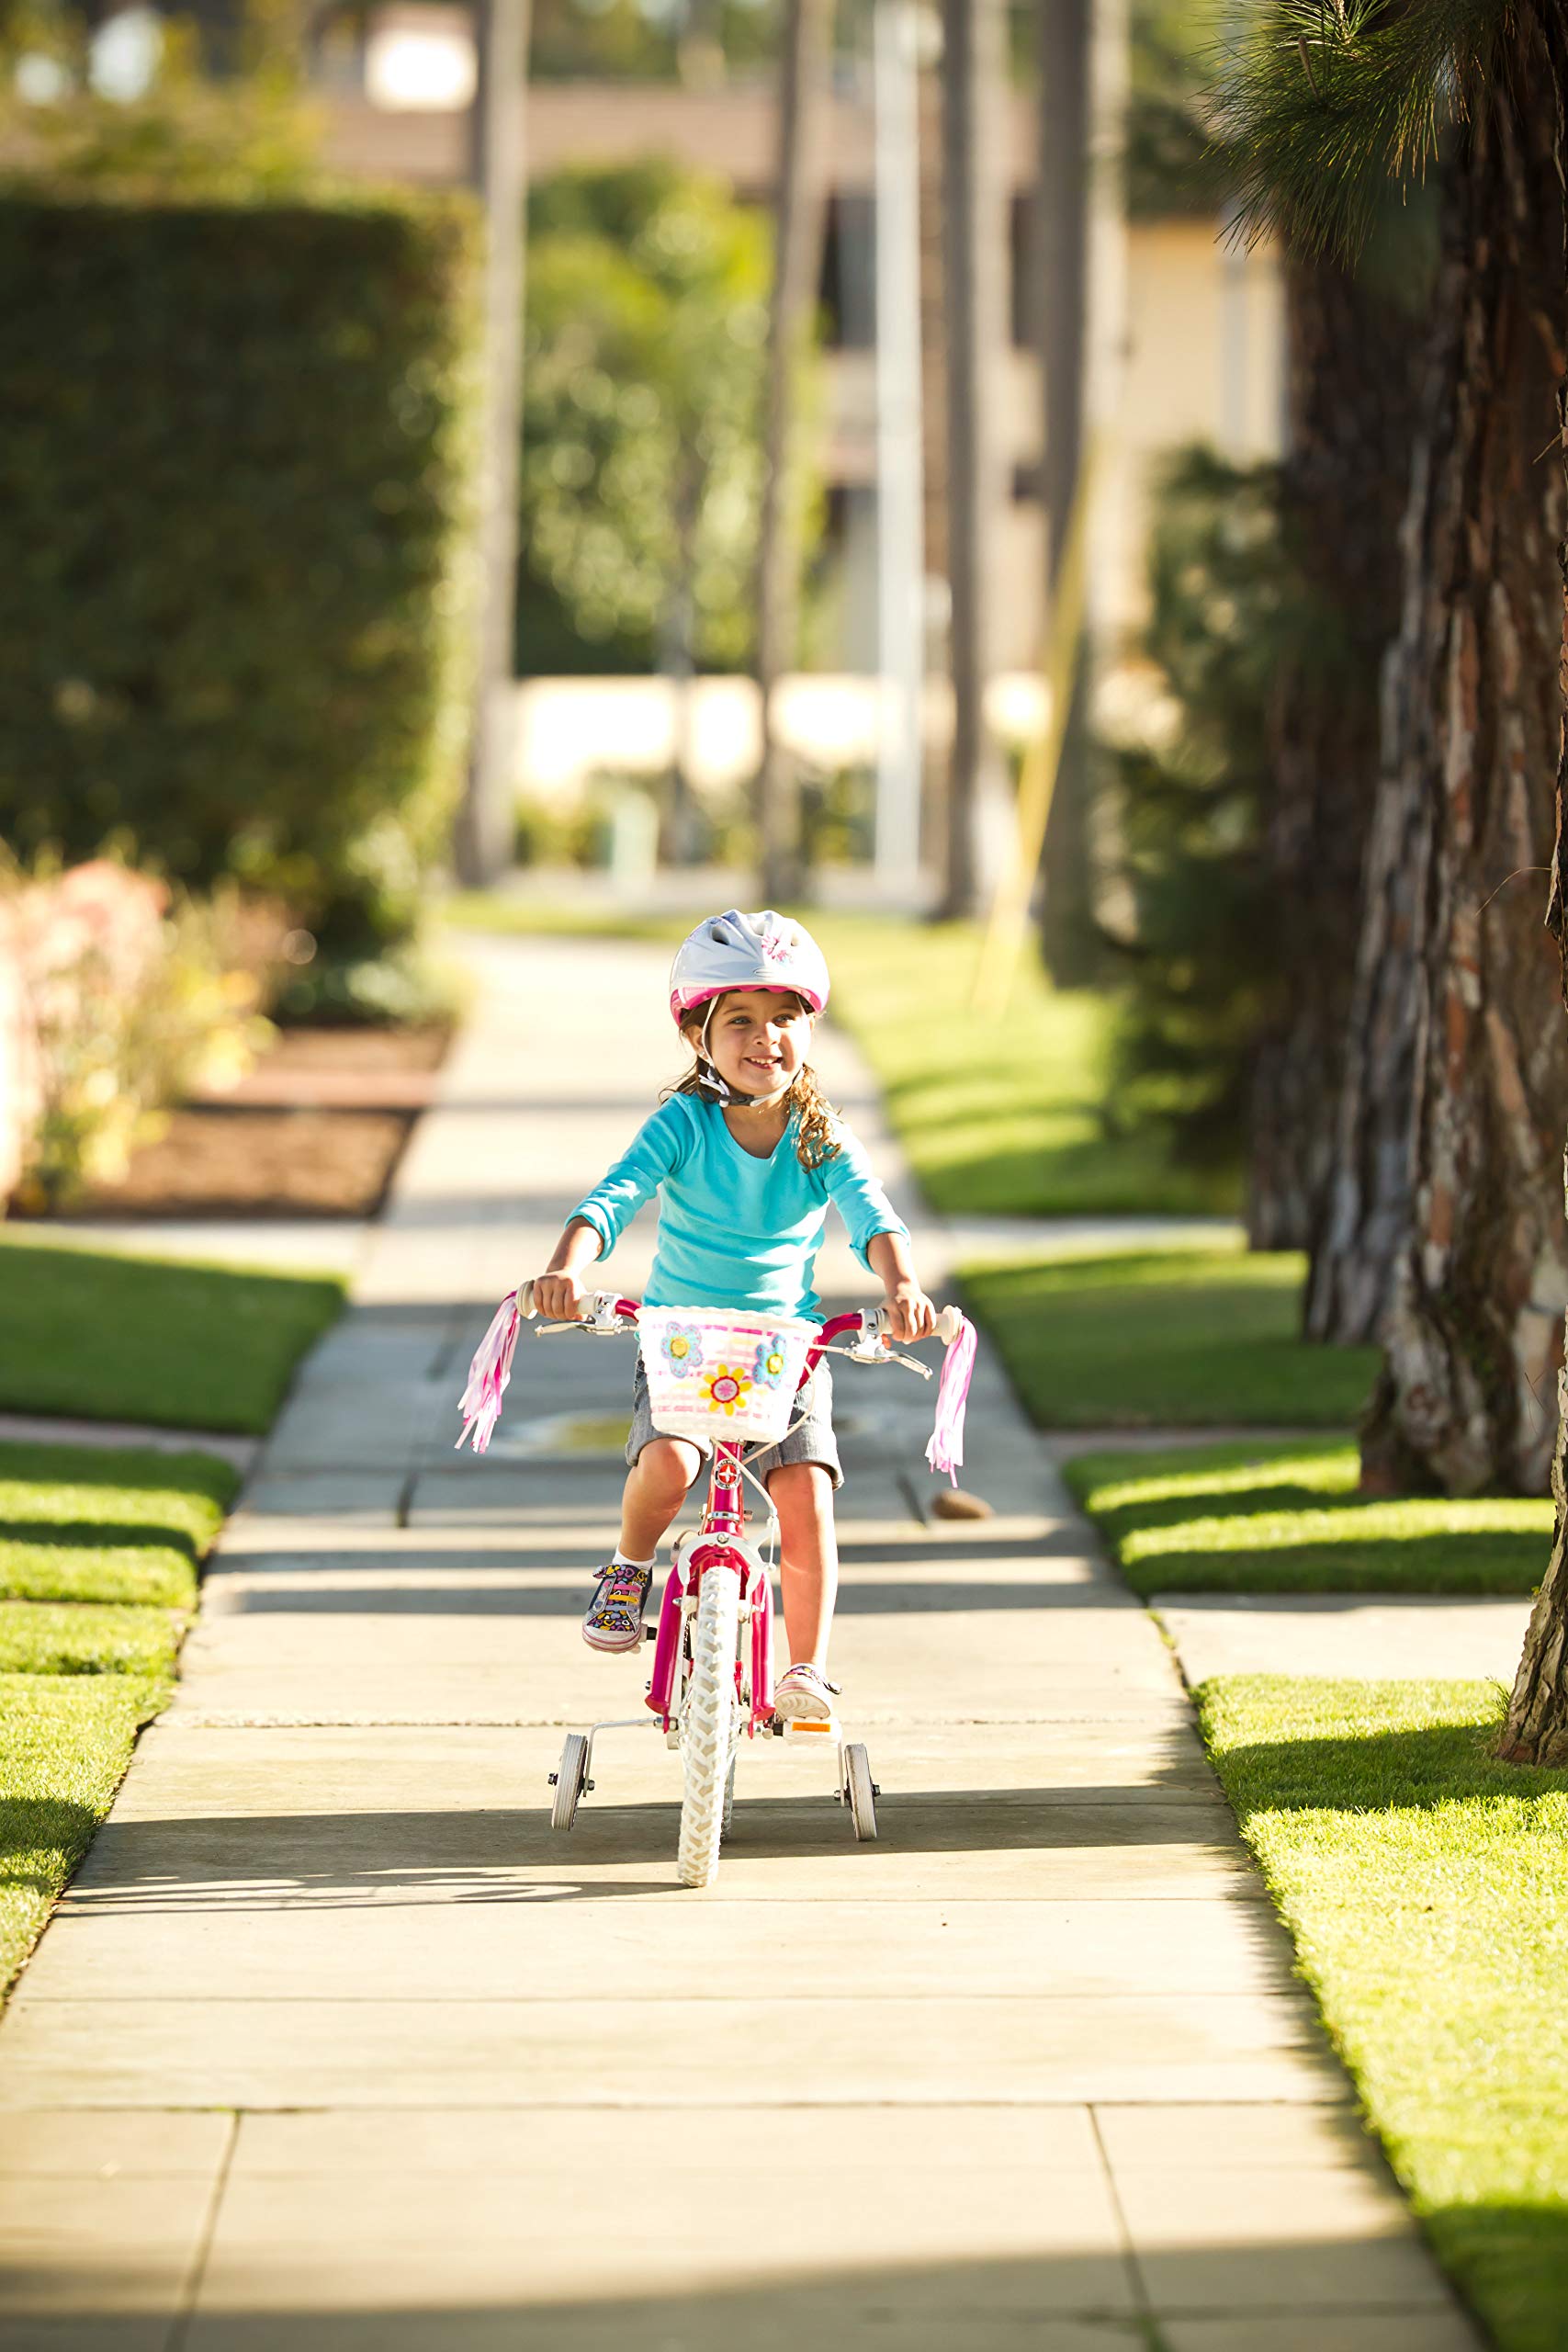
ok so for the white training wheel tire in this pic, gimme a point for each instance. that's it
(569, 1778)
(707, 1727)
(859, 1789)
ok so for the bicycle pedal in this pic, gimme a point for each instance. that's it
(811, 1730)
(650, 1633)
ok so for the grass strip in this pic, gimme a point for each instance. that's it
(1251, 1517)
(180, 1346)
(65, 1743)
(1179, 1337)
(1007, 1117)
(1423, 1883)
(88, 1637)
(108, 1524)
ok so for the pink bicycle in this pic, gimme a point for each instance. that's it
(732, 1379)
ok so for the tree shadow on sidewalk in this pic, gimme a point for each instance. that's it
(272, 1861)
(1278, 2290)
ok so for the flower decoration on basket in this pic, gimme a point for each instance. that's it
(769, 1368)
(683, 1349)
(724, 1387)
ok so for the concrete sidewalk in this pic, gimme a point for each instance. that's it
(334, 2045)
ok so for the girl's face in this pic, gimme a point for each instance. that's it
(757, 1040)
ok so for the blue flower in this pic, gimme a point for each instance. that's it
(771, 1362)
(682, 1347)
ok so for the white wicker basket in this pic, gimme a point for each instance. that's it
(714, 1374)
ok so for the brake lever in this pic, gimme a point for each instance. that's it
(869, 1347)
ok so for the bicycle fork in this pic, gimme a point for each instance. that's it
(707, 1554)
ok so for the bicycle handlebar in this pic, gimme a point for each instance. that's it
(607, 1312)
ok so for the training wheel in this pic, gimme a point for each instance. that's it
(860, 1790)
(569, 1781)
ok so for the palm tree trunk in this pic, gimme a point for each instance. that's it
(1066, 103)
(483, 835)
(974, 84)
(797, 254)
(1474, 1336)
(1365, 1207)
(1351, 376)
(1536, 1731)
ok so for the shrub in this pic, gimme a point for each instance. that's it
(117, 998)
(1195, 930)
(235, 456)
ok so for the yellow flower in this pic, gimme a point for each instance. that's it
(724, 1387)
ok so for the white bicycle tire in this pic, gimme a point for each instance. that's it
(707, 1727)
(860, 1793)
(569, 1781)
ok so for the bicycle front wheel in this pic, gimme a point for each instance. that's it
(708, 1726)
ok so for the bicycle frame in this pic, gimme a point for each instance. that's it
(719, 1546)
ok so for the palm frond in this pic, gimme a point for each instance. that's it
(1319, 104)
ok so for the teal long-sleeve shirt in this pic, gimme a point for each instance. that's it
(735, 1230)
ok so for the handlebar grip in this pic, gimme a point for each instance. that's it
(949, 1323)
(525, 1306)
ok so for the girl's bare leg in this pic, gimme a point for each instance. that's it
(803, 1496)
(654, 1493)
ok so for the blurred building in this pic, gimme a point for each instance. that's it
(1199, 353)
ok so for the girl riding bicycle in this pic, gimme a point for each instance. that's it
(745, 1156)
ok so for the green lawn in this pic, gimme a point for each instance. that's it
(1004, 1118)
(112, 1338)
(99, 1552)
(1424, 1884)
(88, 1637)
(65, 1743)
(1286, 1518)
(1183, 1338)
(107, 1524)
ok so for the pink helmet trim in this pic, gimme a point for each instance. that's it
(687, 1000)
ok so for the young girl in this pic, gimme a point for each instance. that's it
(745, 1156)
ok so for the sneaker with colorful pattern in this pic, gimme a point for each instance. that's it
(615, 1614)
(803, 1694)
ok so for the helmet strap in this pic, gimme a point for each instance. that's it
(708, 1078)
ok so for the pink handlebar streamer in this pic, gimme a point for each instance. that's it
(946, 1451)
(488, 1375)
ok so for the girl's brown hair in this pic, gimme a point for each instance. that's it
(813, 1113)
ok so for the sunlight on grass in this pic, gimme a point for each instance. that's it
(158, 1340)
(100, 1548)
(108, 1524)
(64, 1745)
(87, 1637)
(1423, 1883)
(1004, 1118)
(1181, 1338)
(1263, 1517)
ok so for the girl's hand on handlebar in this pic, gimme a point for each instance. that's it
(911, 1313)
(558, 1298)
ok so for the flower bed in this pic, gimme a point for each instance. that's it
(116, 997)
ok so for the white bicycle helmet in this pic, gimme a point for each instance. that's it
(737, 951)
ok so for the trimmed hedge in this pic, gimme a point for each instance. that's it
(237, 445)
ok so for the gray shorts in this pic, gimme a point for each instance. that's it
(811, 1438)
